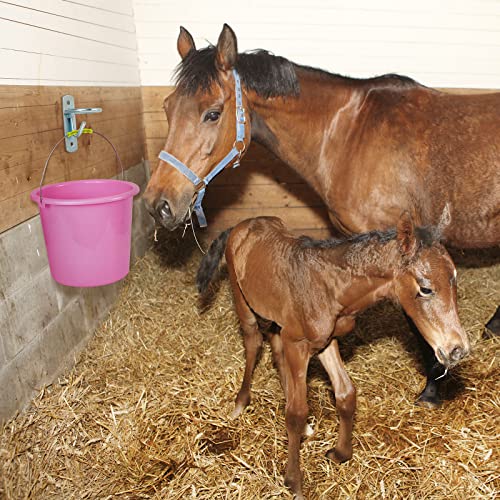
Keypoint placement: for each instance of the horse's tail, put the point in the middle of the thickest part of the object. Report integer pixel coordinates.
(210, 261)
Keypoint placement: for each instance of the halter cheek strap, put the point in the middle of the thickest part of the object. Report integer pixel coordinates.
(236, 151)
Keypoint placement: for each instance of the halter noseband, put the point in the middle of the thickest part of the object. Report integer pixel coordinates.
(235, 152)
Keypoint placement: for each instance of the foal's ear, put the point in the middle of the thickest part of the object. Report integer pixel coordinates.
(445, 218)
(185, 43)
(406, 234)
(227, 49)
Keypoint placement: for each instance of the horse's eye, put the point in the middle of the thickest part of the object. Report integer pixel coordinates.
(425, 292)
(211, 116)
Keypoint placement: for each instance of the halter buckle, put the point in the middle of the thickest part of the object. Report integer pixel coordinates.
(240, 115)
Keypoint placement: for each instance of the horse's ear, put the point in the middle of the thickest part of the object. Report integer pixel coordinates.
(227, 49)
(406, 234)
(185, 43)
(445, 218)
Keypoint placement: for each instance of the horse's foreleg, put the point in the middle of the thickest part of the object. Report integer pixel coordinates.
(429, 398)
(493, 324)
(296, 359)
(345, 400)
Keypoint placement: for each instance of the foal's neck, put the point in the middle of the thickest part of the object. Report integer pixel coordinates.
(311, 126)
(370, 268)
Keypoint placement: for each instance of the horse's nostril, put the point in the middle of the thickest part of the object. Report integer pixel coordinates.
(164, 209)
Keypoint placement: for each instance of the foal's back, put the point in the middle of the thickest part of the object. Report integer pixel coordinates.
(281, 279)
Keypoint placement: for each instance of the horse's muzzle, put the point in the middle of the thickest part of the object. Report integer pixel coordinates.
(162, 213)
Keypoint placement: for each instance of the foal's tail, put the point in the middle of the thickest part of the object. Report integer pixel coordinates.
(210, 261)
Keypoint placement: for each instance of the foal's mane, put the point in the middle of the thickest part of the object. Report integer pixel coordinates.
(266, 74)
(426, 237)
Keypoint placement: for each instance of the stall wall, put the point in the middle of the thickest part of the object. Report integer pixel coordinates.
(49, 48)
(446, 44)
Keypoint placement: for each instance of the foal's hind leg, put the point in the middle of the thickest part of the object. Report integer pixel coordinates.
(429, 398)
(296, 355)
(252, 339)
(345, 400)
(277, 350)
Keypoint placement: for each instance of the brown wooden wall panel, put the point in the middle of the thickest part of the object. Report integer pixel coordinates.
(31, 123)
(297, 218)
(261, 196)
(262, 185)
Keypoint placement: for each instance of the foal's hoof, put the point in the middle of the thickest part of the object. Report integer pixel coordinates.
(238, 410)
(338, 456)
(430, 402)
(296, 487)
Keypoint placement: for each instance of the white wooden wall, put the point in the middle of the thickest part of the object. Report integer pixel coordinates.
(66, 42)
(441, 43)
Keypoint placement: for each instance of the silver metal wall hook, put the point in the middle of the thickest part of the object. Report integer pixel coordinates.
(80, 130)
(69, 120)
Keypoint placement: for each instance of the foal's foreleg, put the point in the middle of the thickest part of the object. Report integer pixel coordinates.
(296, 359)
(345, 400)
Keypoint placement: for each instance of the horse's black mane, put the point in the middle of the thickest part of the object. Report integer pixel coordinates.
(266, 74)
(426, 237)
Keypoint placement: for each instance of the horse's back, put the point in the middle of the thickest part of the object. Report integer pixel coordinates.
(416, 149)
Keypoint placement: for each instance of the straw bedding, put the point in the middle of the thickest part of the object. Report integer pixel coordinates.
(144, 414)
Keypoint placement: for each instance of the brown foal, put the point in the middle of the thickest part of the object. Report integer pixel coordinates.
(314, 289)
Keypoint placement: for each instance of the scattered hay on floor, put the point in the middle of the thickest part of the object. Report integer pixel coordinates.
(144, 414)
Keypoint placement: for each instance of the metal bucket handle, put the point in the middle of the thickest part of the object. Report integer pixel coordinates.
(82, 130)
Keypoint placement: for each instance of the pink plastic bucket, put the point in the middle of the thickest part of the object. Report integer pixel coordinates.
(87, 230)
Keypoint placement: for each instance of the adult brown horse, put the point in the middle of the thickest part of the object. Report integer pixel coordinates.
(313, 290)
(370, 148)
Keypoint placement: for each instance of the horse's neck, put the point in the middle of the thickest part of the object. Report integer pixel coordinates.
(298, 130)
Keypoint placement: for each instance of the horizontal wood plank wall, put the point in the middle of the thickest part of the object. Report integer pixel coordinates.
(31, 123)
(448, 43)
(262, 185)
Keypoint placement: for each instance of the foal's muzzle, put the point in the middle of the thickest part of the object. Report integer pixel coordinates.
(452, 357)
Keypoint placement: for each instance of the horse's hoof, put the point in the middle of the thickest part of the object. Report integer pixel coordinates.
(429, 402)
(337, 456)
(492, 328)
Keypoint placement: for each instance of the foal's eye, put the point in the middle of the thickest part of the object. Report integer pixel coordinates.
(425, 292)
(211, 116)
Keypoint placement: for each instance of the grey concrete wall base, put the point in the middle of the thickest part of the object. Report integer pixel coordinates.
(44, 325)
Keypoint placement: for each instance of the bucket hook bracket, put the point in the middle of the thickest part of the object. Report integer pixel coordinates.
(69, 121)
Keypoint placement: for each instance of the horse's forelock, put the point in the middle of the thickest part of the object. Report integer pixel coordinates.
(197, 71)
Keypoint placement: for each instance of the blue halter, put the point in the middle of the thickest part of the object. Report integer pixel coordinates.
(235, 152)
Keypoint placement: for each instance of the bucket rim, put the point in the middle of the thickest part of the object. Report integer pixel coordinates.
(47, 200)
